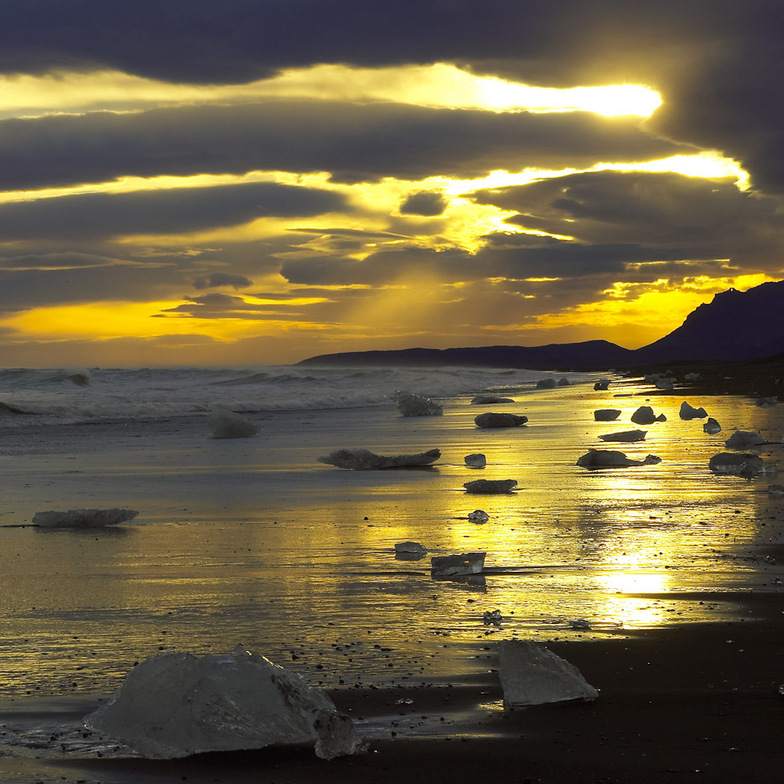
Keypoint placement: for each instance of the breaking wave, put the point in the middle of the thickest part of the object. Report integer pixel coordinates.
(118, 395)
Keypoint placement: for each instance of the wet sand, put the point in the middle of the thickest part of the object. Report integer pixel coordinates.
(695, 703)
(679, 701)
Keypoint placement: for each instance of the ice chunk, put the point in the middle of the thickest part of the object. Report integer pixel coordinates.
(606, 414)
(365, 460)
(644, 416)
(490, 486)
(546, 383)
(532, 674)
(176, 704)
(492, 618)
(409, 404)
(84, 518)
(478, 516)
(493, 419)
(625, 435)
(744, 439)
(487, 399)
(410, 551)
(665, 383)
(689, 412)
(228, 424)
(711, 427)
(563, 381)
(608, 458)
(457, 565)
(746, 465)
(476, 460)
(602, 384)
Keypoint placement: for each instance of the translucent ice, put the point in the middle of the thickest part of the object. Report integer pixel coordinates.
(228, 424)
(625, 435)
(490, 486)
(711, 427)
(83, 518)
(409, 404)
(610, 458)
(736, 464)
(457, 565)
(176, 704)
(689, 412)
(532, 675)
(365, 460)
(475, 460)
(744, 439)
(492, 419)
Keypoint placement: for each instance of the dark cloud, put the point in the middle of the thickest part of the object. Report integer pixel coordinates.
(353, 142)
(693, 217)
(718, 63)
(425, 203)
(159, 211)
(217, 279)
(20, 290)
(60, 260)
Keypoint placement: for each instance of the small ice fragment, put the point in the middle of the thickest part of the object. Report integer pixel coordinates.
(644, 416)
(666, 383)
(744, 439)
(409, 404)
(602, 384)
(492, 618)
(532, 674)
(766, 402)
(563, 381)
(711, 427)
(625, 435)
(579, 624)
(490, 486)
(493, 419)
(478, 516)
(546, 383)
(606, 414)
(176, 704)
(746, 465)
(457, 565)
(488, 399)
(83, 518)
(476, 460)
(689, 412)
(410, 551)
(365, 460)
(229, 424)
(610, 458)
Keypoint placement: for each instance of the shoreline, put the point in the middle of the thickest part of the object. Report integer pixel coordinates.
(695, 702)
(678, 702)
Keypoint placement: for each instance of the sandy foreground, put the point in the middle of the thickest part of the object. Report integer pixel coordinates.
(697, 701)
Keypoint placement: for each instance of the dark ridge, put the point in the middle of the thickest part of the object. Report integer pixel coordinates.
(734, 329)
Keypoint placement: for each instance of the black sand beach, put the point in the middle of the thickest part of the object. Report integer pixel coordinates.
(682, 697)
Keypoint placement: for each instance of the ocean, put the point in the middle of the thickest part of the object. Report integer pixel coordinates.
(254, 541)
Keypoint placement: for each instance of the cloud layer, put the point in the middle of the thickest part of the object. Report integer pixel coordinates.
(330, 219)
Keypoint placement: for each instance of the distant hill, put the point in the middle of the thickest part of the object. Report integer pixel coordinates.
(589, 355)
(735, 325)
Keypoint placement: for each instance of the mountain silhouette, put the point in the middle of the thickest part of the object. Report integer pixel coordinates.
(735, 325)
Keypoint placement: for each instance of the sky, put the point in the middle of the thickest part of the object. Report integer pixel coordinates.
(247, 182)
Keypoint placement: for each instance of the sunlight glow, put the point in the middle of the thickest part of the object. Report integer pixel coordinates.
(107, 320)
(439, 85)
